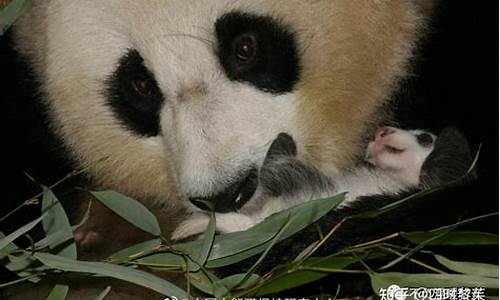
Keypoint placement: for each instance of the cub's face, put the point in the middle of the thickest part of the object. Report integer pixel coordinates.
(181, 99)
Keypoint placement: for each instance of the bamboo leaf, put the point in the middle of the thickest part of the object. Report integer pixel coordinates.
(53, 240)
(85, 217)
(292, 276)
(59, 292)
(252, 270)
(448, 228)
(454, 238)
(10, 13)
(378, 212)
(163, 260)
(233, 281)
(305, 252)
(16, 234)
(136, 249)
(469, 268)
(234, 247)
(202, 257)
(9, 248)
(202, 282)
(434, 235)
(411, 252)
(137, 277)
(129, 209)
(103, 294)
(18, 263)
(56, 224)
(219, 290)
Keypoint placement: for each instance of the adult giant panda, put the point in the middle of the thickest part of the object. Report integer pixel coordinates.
(171, 100)
(167, 101)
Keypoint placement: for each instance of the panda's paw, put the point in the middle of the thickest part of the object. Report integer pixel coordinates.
(194, 225)
(232, 222)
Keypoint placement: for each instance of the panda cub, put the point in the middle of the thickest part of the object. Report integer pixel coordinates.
(393, 163)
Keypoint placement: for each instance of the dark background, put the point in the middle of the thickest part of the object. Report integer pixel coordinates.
(455, 83)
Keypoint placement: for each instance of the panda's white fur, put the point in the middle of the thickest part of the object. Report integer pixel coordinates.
(394, 160)
(352, 54)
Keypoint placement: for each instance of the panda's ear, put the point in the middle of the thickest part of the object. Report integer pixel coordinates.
(450, 160)
(283, 145)
(283, 174)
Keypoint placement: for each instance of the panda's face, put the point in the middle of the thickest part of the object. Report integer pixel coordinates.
(183, 98)
(400, 153)
(212, 89)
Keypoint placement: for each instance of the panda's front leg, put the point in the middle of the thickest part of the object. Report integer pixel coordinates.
(283, 181)
(198, 222)
(285, 177)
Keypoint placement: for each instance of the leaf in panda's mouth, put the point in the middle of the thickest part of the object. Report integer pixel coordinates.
(232, 198)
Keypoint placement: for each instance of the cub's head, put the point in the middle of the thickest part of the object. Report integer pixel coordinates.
(401, 153)
(181, 99)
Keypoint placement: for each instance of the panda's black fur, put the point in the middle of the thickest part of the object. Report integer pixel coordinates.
(30, 149)
(455, 83)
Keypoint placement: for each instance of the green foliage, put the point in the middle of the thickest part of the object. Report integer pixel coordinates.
(6, 241)
(456, 238)
(103, 294)
(56, 224)
(469, 268)
(129, 209)
(114, 271)
(59, 292)
(10, 13)
(199, 260)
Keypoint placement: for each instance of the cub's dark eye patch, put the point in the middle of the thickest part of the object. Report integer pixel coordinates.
(425, 140)
(134, 96)
(258, 50)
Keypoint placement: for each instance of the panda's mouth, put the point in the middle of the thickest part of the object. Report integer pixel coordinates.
(233, 197)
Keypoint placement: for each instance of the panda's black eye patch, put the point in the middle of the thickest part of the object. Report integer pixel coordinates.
(425, 140)
(258, 50)
(245, 48)
(144, 87)
(134, 95)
